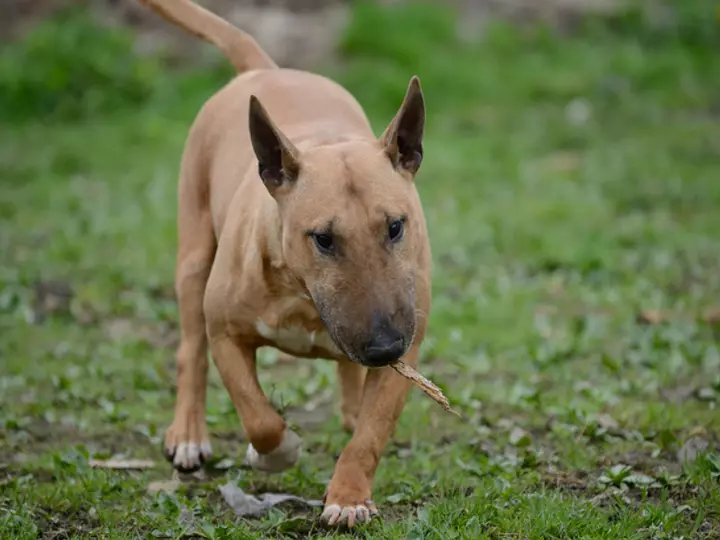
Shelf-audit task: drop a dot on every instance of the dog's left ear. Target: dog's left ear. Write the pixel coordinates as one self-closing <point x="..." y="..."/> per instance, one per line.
<point x="402" y="140"/>
<point x="278" y="159"/>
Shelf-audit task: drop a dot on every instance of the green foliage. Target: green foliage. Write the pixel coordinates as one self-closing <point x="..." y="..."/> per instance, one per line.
<point x="68" y="68"/>
<point x="688" y="23"/>
<point x="571" y="190"/>
<point x="393" y="33"/>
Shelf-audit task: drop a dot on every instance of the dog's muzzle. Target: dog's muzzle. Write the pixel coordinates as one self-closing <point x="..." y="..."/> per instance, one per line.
<point x="386" y="344"/>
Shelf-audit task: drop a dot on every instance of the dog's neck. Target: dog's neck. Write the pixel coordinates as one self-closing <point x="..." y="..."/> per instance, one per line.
<point x="274" y="263"/>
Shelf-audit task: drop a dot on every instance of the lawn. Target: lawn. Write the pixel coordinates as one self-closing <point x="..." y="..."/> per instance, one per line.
<point x="572" y="190"/>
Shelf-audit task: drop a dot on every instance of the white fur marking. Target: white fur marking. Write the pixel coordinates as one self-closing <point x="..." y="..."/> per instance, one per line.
<point x="283" y="457"/>
<point x="205" y="449"/>
<point x="334" y="515"/>
<point x="331" y="511"/>
<point x="296" y="339"/>
<point x="188" y="455"/>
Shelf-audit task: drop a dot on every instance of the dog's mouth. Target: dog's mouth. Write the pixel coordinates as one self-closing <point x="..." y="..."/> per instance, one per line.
<point x="339" y="342"/>
<point x="366" y="356"/>
<point x="382" y="343"/>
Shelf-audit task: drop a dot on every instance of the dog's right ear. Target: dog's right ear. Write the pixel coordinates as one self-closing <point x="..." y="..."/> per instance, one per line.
<point x="278" y="159"/>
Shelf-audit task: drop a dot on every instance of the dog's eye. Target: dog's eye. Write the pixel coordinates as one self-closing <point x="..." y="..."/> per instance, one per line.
<point x="324" y="242"/>
<point x="395" y="230"/>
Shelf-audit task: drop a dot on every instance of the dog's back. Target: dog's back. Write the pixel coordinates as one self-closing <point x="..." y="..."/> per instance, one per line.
<point x="311" y="109"/>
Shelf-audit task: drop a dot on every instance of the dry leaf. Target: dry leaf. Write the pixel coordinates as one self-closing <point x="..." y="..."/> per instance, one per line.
<point x="653" y="316"/>
<point x="425" y="385"/>
<point x="689" y="451"/>
<point x="562" y="162"/>
<point x="127" y="464"/>
<point x="245" y="504"/>
<point x="712" y="315"/>
<point x="607" y="422"/>
<point x="519" y="437"/>
<point x="168" y="486"/>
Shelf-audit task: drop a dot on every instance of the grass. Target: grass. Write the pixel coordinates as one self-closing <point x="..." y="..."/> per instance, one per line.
<point x="571" y="189"/>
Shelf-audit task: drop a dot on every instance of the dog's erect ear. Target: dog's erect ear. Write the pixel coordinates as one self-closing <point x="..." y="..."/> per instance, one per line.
<point x="402" y="140"/>
<point x="278" y="159"/>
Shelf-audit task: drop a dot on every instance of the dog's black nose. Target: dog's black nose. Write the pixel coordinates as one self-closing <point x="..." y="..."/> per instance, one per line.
<point x="383" y="353"/>
<point x="385" y="346"/>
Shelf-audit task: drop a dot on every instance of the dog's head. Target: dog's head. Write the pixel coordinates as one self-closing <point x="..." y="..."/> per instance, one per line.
<point x="352" y="227"/>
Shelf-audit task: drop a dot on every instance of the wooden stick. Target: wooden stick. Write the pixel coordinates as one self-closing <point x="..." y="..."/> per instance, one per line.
<point x="425" y="385"/>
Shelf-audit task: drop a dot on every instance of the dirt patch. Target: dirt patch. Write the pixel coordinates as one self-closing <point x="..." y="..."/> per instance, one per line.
<point x="39" y="437"/>
<point x="51" y="298"/>
<point x="568" y="481"/>
<point x="158" y="335"/>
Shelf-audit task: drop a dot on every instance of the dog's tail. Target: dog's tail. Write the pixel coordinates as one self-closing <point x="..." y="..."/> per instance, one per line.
<point x="239" y="47"/>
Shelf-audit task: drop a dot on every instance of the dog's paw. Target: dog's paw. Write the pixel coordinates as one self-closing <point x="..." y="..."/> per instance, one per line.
<point x="187" y="447"/>
<point x="188" y="457"/>
<point x="283" y="457"/>
<point x="335" y="515"/>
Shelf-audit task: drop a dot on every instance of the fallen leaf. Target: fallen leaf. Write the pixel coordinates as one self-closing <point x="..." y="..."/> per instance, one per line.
<point x="564" y="161"/>
<point x="127" y="464"/>
<point x="706" y="394"/>
<point x="653" y="316"/>
<point x="158" y="335"/>
<point x="185" y="518"/>
<point x="677" y="394"/>
<point x="606" y="421"/>
<point x="689" y="451"/>
<point x="224" y="464"/>
<point x="519" y="437"/>
<point x="167" y="486"/>
<point x="638" y="479"/>
<point x="244" y="504"/>
<point x="712" y="315"/>
<point x="51" y="297"/>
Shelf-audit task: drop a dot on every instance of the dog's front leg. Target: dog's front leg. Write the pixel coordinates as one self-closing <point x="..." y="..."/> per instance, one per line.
<point x="348" y="499"/>
<point x="273" y="447"/>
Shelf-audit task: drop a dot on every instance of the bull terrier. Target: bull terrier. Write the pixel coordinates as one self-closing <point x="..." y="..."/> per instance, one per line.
<point x="301" y="230"/>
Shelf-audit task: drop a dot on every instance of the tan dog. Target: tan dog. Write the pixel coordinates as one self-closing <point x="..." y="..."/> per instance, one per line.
<point x="298" y="229"/>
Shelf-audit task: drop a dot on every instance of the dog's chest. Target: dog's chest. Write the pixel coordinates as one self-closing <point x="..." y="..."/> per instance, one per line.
<point x="295" y="328"/>
<point x="296" y="339"/>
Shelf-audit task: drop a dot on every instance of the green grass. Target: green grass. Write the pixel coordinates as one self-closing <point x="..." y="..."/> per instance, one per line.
<point x="569" y="183"/>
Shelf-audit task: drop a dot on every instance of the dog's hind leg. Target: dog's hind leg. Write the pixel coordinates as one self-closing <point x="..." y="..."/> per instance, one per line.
<point x="187" y="443"/>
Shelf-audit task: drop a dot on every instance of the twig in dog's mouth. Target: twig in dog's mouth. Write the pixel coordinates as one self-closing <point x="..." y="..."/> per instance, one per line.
<point x="425" y="385"/>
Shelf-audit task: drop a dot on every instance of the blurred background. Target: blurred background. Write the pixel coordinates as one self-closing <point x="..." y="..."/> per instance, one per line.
<point x="567" y="139"/>
<point x="571" y="184"/>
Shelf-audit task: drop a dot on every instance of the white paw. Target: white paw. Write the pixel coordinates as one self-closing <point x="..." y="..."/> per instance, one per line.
<point x="283" y="457"/>
<point x="335" y="516"/>
<point x="189" y="456"/>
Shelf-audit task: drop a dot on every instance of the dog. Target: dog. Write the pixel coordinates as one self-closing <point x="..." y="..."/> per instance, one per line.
<point x="298" y="229"/>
